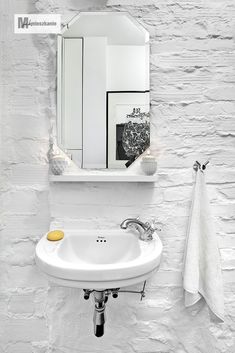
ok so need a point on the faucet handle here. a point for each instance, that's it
(154, 225)
(158, 229)
(149, 226)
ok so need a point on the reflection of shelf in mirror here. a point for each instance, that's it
(104, 177)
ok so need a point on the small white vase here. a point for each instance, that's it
(58, 165)
(149, 164)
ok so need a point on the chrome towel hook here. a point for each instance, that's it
(200, 166)
(205, 164)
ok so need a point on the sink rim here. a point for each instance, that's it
(56, 268)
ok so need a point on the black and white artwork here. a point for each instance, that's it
(128, 127)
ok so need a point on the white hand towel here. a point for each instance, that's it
(202, 268)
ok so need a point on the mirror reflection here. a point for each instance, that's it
(103, 90)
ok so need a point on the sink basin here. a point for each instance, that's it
(98, 259)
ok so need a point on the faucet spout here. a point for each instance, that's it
(125, 224)
(145, 229)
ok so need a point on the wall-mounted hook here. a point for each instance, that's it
(196, 166)
(200, 166)
(204, 165)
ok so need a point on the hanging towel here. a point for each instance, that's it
(202, 269)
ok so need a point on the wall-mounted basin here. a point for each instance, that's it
(98, 259)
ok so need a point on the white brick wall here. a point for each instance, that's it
(192, 94)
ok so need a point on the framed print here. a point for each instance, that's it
(128, 127)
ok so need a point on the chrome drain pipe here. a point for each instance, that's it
(101, 297)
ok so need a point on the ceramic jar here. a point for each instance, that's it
(149, 164)
(58, 165)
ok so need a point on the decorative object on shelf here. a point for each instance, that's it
(58, 160)
(149, 164)
(58, 165)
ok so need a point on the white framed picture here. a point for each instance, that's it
(121, 107)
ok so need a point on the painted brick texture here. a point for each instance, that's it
(192, 110)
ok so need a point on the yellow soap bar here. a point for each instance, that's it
(55, 235)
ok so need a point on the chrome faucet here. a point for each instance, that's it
(145, 230)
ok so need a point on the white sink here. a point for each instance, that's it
(98, 259)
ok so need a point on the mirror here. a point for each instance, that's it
(103, 89)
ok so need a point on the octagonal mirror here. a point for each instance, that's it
(103, 89)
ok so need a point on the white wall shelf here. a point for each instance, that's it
(104, 177)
